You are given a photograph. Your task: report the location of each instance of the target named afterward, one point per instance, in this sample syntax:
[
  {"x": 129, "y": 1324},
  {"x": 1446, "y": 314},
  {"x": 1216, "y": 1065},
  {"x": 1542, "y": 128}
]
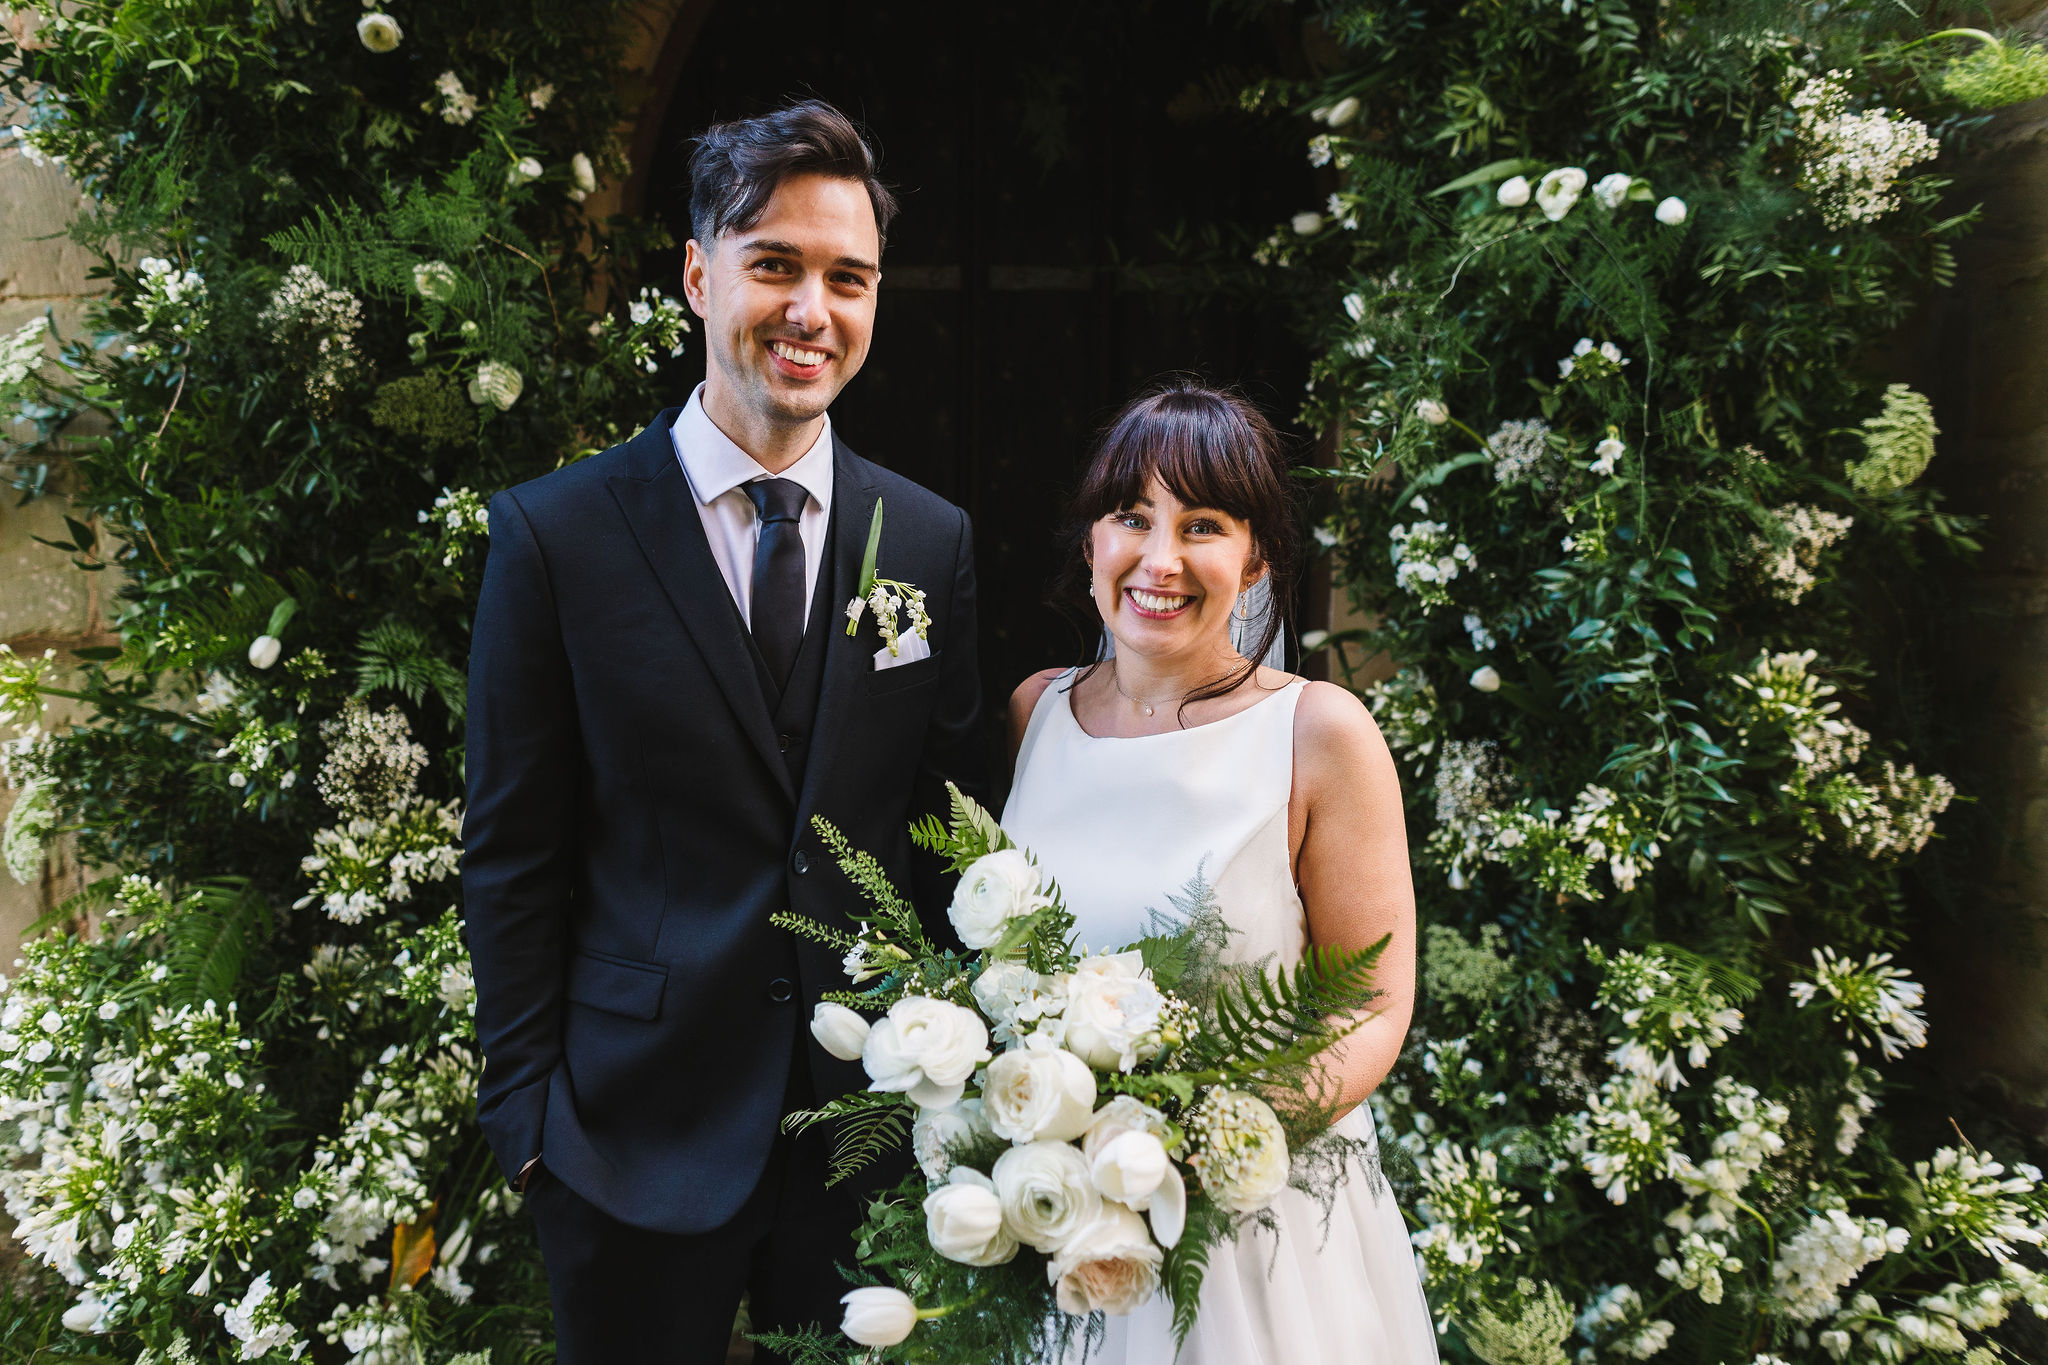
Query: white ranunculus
[
  {"x": 1558, "y": 190},
  {"x": 263, "y": 651},
  {"x": 379, "y": 32},
  {"x": 1671, "y": 212},
  {"x": 1130, "y": 1168},
  {"x": 963, "y": 1220},
  {"x": 1038, "y": 1091},
  {"x": 937, "y": 1131},
  {"x": 1514, "y": 193},
  {"x": 878, "y": 1315},
  {"x": 1112, "y": 1012},
  {"x": 582, "y": 177},
  {"x": 496, "y": 383},
  {"x": 1486, "y": 678},
  {"x": 1432, "y": 412},
  {"x": 1016, "y": 998},
  {"x": 1612, "y": 190},
  {"x": 926, "y": 1049},
  {"x": 994, "y": 890},
  {"x": 1046, "y": 1193},
  {"x": 839, "y": 1030},
  {"x": 1306, "y": 224},
  {"x": 1110, "y": 1266},
  {"x": 1342, "y": 112}
]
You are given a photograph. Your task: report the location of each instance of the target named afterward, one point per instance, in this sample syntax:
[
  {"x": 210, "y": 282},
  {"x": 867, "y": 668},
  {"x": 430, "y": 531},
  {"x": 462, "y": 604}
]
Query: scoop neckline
[{"x": 1082, "y": 730}]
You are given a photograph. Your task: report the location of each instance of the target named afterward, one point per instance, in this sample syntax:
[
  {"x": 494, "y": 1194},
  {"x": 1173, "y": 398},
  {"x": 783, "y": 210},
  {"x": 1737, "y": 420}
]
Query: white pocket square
[{"x": 909, "y": 649}]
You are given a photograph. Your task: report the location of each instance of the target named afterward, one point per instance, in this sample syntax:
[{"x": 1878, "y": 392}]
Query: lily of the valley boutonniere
[{"x": 886, "y": 596}]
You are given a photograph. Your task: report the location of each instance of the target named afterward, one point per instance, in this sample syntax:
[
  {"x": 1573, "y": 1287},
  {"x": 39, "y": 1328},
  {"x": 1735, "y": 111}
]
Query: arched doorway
[{"x": 1043, "y": 154}]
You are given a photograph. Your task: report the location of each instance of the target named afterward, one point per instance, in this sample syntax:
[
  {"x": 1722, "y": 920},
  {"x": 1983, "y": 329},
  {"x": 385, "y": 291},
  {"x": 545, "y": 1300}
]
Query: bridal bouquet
[{"x": 1086, "y": 1126}]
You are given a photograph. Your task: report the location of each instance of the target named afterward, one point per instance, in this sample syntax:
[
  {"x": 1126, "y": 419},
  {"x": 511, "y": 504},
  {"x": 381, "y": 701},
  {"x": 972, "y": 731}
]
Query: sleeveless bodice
[{"x": 1121, "y": 824}]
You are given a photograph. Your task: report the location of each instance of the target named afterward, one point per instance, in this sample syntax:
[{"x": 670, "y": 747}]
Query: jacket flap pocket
[{"x": 632, "y": 989}]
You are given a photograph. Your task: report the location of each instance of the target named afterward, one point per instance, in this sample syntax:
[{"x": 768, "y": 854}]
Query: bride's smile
[{"x": 1162, "y": 568}]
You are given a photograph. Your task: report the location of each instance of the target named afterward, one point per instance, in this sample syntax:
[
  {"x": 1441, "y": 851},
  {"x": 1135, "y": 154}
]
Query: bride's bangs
[{"x": 1204, "y": 452}]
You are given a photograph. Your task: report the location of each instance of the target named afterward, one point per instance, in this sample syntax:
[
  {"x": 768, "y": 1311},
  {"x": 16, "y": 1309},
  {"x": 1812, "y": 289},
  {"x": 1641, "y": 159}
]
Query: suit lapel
[
  {"x": 847, "y": 657},
  {"x": 662, "y": 512}
]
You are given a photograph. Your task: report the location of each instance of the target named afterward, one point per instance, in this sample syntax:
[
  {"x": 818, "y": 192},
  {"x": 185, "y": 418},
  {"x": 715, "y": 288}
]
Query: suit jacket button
[
  {"x": 800, "y": 862},
  {"x": 783, "y": 741},
  {"x": 781, "y": 991}
]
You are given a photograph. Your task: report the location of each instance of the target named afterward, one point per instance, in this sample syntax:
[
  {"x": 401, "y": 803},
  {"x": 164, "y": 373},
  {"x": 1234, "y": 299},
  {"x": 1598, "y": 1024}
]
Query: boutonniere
[{"x": 886, "y": 596}]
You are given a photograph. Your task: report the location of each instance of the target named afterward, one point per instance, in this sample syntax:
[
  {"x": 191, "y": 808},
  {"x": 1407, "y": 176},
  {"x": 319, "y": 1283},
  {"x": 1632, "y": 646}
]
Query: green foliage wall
[
  {"x": 1598, "y": 285},
  {"x": 238, "y": 1080}
]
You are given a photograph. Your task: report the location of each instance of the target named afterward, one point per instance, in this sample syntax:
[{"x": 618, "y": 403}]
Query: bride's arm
[{"x": 1351, "y": 866}]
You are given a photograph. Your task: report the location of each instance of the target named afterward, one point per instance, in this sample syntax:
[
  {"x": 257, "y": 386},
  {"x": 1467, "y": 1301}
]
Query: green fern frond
[
  {"x": 805, "y": 927},
  {"x": 867, "y": 1134},
  {"x": 402, "y": 658},
  {"x": 1187, "y": 1264},
  {"x": 867, "y": 876},
  {"x": 209, "y": 937}
]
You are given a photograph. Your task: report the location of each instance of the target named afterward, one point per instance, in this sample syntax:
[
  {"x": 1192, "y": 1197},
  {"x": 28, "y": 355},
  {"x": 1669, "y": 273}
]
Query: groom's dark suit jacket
[{"x": 640, "y": 801}]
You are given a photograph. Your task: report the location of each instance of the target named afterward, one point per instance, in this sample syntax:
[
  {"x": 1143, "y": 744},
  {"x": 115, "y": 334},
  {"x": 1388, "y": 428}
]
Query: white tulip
[
  {"x": 963, "y": 1220},
  {"x": 878, "y": 1315},
  {"x": 582, "y": 175},
  {"x": 839, "y": 1030},
  {"x": 1306, "y": 224},
  {"x": 1432, "y": 412},
  {"x": 993, "y": 891},
  {"x": 1514, "y": 193},
  {"x": 1046, "y": 1193},
  {"x": 1129, "y": 1169},
  {"x": 1110, "y": 1266},
  {"x": 1671, "y": 212},
  {"x": 1112, "y": 1012},
  {"x": 1037, "y": 1092},
  {"x": 1612, "y": 190},
  {"x": 1486, "y": 678},
  {"x": 938, "y": 1131},
  {"x": 263, "y": 651},
  {"x": 926, "y": 1049},
  {"x": 1558, "y": 190},
  {"x": 1342, "y": 112},
  {"x": 379, "y": 32}
]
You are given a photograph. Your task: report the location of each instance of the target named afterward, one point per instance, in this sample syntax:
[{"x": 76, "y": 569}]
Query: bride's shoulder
[
  {"x": 1331, "y": 721},
  {"x": 1025, "y": 699}
]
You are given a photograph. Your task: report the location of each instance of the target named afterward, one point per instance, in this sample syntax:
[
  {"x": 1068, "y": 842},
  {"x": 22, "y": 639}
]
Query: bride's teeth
[{"x": 1154, "y": 602}]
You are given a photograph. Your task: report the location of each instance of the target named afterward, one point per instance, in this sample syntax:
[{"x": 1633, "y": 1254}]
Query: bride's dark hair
[{"x": 1211, "y": 448}]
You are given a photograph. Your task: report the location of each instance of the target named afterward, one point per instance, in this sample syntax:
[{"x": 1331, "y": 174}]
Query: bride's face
[{"x": 1166, "y": 575}]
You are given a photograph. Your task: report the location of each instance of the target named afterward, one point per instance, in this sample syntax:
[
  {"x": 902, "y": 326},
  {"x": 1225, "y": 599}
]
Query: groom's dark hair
[{"x": 736, "y": 166}]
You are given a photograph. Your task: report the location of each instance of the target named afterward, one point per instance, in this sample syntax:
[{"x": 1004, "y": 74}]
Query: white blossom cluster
[
  {"x": 1482, "y": 638},
  {"x": 1627, "y": 1137},
  {"x": 168, "y": 298},
  {"x": 1661, "y": 1011},
  {"x": 363, "y": 867},
  {"x": 461, "y": 518},
  {"x": 1521, "y": 453},
  {"x": 21, "y": 352},
  {"x": 1457, "y": 1079},
  {"x": 1781, "y": 691},
  {"x": 1969, "y": 1195},
  {"x": 458, "y": 106},
  {"x": 1698, "y": 1264},
  {"x": 1876, "y": 1002},
  {"x": 1755, "y": 1133},
  {"x": 1849, "y": 162},
  {"x": 1891, "y": 817},
  {"x": 315, "y": 324},
  {"x": 250, "y": 756},
  {"x": 1783, "y": 557},
  {"x": 1427, "y": 558},
  {"x": 1617, "y": 1320},
  {"x": 1617, "y": 830},
  {"x": 1589, "y": 360},
  {"x": 1404, "y": 706},
  {"x": 1467, "y": 1213},
  {"x": 31, "y": 820},
  {"x": 372, "y": 763},
  {"x": 1816, "y": 1263},
  {"x": 659, "y": 324}
]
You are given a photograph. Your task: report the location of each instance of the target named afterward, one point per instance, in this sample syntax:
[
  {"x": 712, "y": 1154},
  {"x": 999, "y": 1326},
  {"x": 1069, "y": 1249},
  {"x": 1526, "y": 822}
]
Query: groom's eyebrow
[{"x": 792, "y": 249}]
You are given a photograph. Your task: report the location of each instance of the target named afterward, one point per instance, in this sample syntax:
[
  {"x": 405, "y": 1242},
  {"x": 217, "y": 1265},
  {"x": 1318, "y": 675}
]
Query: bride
[{"x": 1179, "y": 753}]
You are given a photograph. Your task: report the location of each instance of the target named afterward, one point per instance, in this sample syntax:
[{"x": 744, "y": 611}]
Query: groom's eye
[{"x": 771, "y": 263}]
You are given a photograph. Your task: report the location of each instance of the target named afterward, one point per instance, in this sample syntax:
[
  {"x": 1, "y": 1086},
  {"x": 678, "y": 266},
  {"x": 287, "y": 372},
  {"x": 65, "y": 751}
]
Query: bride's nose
[{"x": 1162, "y": 557}]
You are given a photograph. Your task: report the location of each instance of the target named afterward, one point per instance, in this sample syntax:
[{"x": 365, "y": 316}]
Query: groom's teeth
[
  {"x": 795, "y": 356},
  {"x": 1154, "y": 602}
]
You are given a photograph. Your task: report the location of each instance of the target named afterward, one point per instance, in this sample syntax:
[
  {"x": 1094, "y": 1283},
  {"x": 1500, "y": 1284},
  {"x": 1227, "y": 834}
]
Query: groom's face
[{"x": 789, "y": 303}]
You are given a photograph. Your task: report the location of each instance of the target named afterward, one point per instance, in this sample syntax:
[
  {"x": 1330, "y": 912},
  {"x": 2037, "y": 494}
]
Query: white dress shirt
[{"x": 717, "y": 468}]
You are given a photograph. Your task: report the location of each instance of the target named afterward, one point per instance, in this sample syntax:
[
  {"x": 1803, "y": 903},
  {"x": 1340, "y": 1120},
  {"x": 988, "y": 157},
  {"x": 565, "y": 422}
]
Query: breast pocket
[{"x": 881, "y": 680}]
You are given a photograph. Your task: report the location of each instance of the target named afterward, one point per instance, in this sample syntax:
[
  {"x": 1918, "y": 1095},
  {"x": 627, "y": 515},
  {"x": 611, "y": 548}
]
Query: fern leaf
[{"x": 209, "y": 939}]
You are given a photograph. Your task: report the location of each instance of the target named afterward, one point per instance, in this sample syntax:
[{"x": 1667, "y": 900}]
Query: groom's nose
[{"x": 806, "y": 310}]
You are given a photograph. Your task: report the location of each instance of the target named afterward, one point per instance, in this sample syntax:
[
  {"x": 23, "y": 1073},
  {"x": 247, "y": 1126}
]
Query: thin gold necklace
[{"x": 1116, "y": 682}]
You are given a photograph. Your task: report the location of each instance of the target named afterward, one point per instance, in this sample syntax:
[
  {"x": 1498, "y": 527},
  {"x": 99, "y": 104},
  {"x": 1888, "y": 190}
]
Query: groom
[{"x": 662, "y": 693}]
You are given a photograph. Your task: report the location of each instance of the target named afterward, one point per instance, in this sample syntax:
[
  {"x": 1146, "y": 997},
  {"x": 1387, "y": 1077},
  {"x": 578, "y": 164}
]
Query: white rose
[
  {"x": 1110, "y": 1266},
  {"x": 1342, "y": 112},
  {"x": 1558, "y": 190},
  {"x": 1038, "y": 1091},
  {"x": 263, "y": 651},
  {"x": 1016, "y": 997},
  {"x": 937, "y": 1131},
  {"x": 1129, "y": 1168},
  {"x": 1112, "y": 1012},
  {"x": 1486, "y": 678},
  {"x": 1612, "y": 190},
  {"x": 1514, "y": 193},
  {"x": 1306, "y": 224},
  {"x": 878, "y": 1315},
  {"x": 839, "y": 1030},
  {"x": 1671, "y": 212},
  {"x": 1432, "y": 412},
  {"x": 926, "y": 1049},
  {"x": 379, "y": 32},
  {"x": 993, "y": 891},
  {"x": 963, "y": 1220},
  {"x": 1046, "y": 1193}
]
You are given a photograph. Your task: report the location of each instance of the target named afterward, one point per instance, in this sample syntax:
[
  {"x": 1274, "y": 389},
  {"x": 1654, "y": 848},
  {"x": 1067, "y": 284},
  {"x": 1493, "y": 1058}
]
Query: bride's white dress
[{"x": 1120, "y": 824}]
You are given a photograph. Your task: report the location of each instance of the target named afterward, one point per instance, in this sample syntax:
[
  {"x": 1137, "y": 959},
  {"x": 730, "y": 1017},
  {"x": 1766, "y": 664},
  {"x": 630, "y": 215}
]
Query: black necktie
[{"x": 778, "y": 594}]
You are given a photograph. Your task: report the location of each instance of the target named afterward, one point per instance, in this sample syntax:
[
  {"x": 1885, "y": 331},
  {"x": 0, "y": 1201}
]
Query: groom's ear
[{"x": 696, "y": 260}]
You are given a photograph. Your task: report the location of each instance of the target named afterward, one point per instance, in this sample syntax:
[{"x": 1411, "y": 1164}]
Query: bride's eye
[
  {"x": 1205, "y": 527},
  {"x": 1134, "y": 521}
]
